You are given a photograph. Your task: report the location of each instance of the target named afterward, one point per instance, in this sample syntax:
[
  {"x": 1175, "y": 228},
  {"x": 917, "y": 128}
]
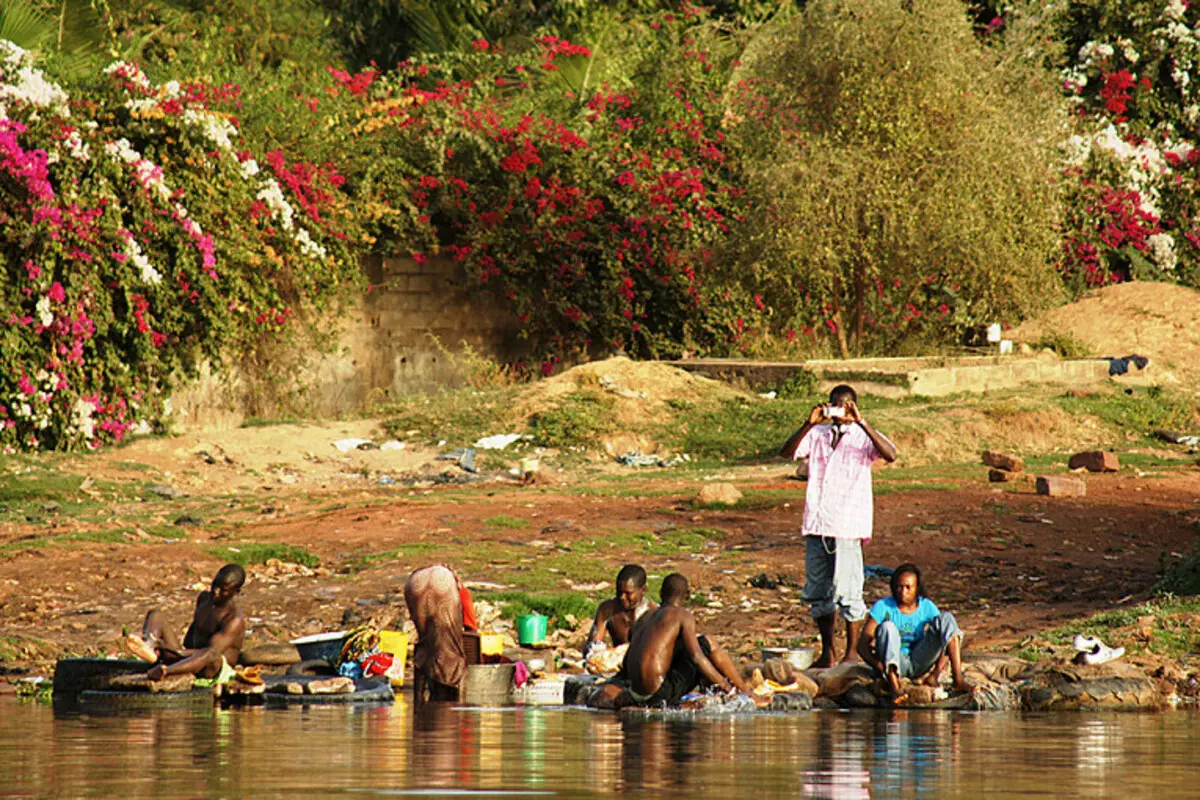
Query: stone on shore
[
  {"x": 1061, "y": 486},
  {"x": 718, "y": 493},
  {"x": 1095, "y": 461},
  {"x": 996, "y": 460}
]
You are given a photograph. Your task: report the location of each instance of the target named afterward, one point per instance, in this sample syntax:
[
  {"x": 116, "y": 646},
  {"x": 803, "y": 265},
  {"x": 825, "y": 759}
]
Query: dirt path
[{"x": 1006, "y": 560}]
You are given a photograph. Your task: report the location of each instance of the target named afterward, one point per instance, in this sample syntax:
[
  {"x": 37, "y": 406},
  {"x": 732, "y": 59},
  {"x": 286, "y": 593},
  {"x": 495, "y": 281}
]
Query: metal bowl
[{"x": 320, "y": 645}]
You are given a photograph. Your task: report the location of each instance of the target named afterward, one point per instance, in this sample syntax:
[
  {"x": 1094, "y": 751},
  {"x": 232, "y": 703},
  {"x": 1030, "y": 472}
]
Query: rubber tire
[
  {"x": 313, "y": 666},
  {"x": 75, "y": 675},
  {"x": 367, "y": 691},
  {"x": 108, "y": 700}
]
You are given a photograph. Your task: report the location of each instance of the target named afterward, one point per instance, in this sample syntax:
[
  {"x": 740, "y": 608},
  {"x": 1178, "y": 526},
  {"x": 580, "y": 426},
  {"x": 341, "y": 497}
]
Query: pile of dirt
[
  {"x": 648, "y": 382},
  {"x": 1157, "y": 320},
  {"x": 638, "y": 390}
]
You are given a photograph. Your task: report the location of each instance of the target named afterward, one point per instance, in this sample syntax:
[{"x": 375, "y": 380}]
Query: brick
[
  {"x": 1095, "y": 461},
  {"x": 1061, "y": 486},
  {"x": 1001, "y": 476},
  {"x": 1003, "y": 461}
]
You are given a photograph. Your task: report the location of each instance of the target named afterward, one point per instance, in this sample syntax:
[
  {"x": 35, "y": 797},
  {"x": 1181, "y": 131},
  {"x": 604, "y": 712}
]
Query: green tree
[{"x": 903, "y": 174}]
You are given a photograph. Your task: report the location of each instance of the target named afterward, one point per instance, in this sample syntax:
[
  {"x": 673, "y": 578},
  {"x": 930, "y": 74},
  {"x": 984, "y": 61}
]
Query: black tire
[
  {"x": 313, "y": 666},
  {"x": 75, "y": 675},
  {"x": 110, "y": 700},
  {"x": 366, "y": 691}
]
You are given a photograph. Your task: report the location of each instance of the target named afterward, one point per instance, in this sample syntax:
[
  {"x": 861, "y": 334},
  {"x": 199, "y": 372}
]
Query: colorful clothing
[
  {"x": 435, "y": 598},
  {"x": 225, "y": 675},
  {"x": 838, "y": 501}
]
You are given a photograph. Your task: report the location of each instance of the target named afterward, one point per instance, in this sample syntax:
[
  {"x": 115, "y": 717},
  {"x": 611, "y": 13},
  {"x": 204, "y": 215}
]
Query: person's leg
[
  {"x": 818, "y": 592},
  {"x": 887, "y": 650},
  {"x": 157, "y": 636},
  {"x": 941, "y": 638},
  {"x": 848, "y": 592},
  {"x": 724, "y": 664}
]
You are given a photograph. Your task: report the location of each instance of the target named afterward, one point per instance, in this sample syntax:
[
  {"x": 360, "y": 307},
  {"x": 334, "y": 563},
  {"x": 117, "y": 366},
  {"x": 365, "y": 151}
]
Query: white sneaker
[
  {"x": 1085, "y": 644},
  {"x": 1103, "y": 653}
]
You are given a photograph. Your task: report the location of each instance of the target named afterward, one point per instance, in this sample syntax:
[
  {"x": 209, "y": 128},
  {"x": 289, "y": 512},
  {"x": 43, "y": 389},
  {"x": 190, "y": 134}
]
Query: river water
[{"x": 391, "y": 752}]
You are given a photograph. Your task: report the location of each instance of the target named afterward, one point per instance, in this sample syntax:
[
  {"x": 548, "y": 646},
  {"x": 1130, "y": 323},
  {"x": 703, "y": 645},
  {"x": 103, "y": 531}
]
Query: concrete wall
[
  {"x": 384, "y": 349},
  {"x": 898, "y": 377}
]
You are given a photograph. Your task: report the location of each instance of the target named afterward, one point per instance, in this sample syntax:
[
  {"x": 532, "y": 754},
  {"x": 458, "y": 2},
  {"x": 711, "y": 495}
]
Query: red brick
[
  {"x": 1003, "y": 461},
  {"x": 1095, "y": 461},
  {"x": 1061, "y": 486}
]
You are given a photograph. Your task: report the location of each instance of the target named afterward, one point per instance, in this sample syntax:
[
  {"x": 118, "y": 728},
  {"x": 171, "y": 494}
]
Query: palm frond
[{"x": 25, "y": 26}]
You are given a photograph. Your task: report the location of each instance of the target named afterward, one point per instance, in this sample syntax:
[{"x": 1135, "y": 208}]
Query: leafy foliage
[{"x": 904, "y": 185}]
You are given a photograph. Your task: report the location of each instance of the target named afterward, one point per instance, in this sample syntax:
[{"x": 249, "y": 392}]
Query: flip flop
[{"x": 138, "y": 646}]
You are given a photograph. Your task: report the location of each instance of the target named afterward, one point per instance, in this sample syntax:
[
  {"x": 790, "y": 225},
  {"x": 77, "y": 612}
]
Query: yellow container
[
  {"x": 491, "y": 644},
  {"x": 395, "y": 643}
]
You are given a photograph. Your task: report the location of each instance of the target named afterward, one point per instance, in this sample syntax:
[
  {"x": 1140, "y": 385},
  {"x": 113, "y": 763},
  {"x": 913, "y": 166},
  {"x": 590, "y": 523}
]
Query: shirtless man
[
  {"x": 667, "y": 659},
  {"x": 213, "y": 641},
  {"x": 617, "y": 615}
]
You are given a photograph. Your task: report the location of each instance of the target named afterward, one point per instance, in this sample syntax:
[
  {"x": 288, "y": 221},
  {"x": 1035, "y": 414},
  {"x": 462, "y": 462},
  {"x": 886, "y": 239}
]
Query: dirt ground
[{"x": 1007, "y": 561}]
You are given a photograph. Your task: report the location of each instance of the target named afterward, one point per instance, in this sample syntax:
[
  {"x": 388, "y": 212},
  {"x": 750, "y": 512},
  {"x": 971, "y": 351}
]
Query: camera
[{"x": 834, "y": 412}]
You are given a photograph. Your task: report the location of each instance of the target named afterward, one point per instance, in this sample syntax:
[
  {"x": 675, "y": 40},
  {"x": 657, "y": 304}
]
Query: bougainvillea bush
[
  {"x": 1130, "y": 71},
  {"x": 139, "y": 237},
  {"x": 592, "y": 207}
]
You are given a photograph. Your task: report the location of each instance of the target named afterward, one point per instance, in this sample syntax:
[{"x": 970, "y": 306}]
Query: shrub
[
  {"x": 138, "y": 240},
  {"x": 902, "y": 175}
]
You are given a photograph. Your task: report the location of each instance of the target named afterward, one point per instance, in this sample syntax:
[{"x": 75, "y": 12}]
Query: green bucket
[{"x": 531, "y": 629}]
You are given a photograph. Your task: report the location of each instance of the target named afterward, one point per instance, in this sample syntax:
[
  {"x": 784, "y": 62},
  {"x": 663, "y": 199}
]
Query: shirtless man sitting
[
  {"x": 617, "y": 615},
  {"x": 667, "y": 659},
  {"x": 213, "y": 641},
  {"x": 907, "y": 636}
]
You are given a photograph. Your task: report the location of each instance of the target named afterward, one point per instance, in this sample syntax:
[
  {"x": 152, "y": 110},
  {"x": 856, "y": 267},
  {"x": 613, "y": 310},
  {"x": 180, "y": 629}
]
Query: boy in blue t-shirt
[{"x": 906, "y": 636}]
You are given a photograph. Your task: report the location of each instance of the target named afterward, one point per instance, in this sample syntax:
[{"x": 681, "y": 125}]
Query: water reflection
[{"x": 392, "y": 750}]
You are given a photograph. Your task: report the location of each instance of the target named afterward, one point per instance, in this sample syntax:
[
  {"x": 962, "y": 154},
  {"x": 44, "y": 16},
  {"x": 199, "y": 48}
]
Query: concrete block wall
[{"x": 384, "y": 348}]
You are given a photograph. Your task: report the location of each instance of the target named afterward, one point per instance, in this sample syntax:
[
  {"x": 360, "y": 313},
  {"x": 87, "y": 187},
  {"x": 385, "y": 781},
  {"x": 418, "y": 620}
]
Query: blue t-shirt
[{"x": 911, "y": 625}]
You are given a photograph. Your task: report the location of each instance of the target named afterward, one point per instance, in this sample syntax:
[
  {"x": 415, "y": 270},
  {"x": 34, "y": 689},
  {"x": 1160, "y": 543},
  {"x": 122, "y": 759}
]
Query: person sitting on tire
[
  {"x": 213, "y": 641},
  {"x": 907, "y": 636}
]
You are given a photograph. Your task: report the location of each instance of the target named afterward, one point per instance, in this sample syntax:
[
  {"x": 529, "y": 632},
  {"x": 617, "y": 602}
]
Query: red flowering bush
[
  {"x": 137, "y": 241},
  {"x": 592, "y": 209}
]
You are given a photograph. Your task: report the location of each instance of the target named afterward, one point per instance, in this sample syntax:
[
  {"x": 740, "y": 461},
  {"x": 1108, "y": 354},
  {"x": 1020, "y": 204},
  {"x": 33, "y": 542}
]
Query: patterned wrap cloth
[{"x": 439, "y": 607}]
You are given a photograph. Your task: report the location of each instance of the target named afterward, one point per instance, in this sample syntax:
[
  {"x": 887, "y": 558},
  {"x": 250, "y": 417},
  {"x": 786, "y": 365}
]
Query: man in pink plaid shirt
[{"x": 838, "y": 512}]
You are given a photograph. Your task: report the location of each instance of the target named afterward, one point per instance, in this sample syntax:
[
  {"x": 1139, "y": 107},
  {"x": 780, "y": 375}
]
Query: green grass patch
[
  {"x": 577, "y": 421},
  {"x": 362, "y": 561},
  {"x": 1138, "y": 409},
  {"x": 65, "y": 540},
  {"x": 1172, "y": 632},
  {"x": 1180, "y": 577},
  {"x": 505, "y": 521},
  {"x": 268, "y": 422},
  {"x": 890, "y": 487},
  {"x": 459, "y": 417},
  {"x": 248, "y": 553},
  {"x": 556, "y": 605},
  {"x": 669, "y": 542}
]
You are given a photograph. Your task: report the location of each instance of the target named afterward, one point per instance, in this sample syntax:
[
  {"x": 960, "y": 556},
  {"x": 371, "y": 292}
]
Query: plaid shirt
[{"x": 838, "y": 502}]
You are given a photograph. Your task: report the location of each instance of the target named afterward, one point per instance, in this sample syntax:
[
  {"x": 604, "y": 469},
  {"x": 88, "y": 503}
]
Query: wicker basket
[{"x": 471, "y": 648}]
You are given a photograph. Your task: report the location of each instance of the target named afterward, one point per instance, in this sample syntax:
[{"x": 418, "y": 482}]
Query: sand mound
[
  {"x": 645, "y": 384},
  {"x": 1158, "y": 320}
]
